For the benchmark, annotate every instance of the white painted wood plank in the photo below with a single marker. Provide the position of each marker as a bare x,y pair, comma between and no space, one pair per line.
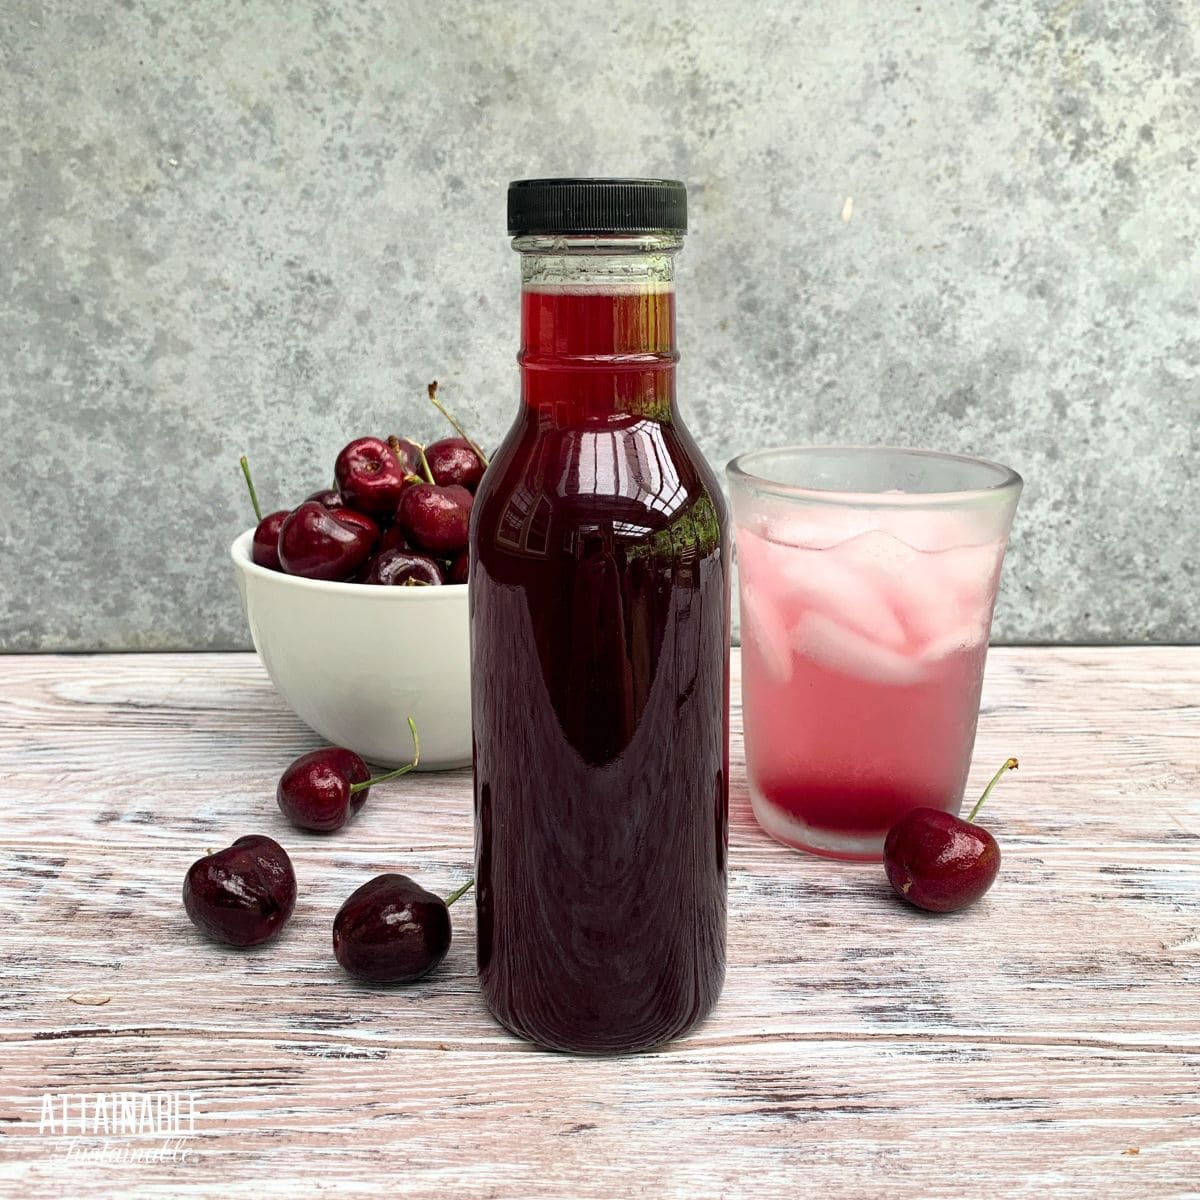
776,1118
859,1046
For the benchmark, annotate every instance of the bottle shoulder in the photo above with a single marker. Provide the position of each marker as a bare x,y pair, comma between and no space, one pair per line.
636,477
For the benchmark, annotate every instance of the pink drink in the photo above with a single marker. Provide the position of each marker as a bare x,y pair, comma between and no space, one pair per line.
862,659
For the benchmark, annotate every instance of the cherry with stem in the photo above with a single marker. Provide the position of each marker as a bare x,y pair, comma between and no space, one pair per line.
264,547
940,862
462,433
392,930
322,790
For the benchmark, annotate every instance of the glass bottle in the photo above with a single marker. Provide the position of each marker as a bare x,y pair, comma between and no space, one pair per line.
600,645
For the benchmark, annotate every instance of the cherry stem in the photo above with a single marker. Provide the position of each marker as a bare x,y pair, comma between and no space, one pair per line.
425,463
458,893
250,489
1010,764
462,433
398,451
355,788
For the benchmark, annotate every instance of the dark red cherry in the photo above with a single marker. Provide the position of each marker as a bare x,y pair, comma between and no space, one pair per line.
459,569
349,516
940,862
242,895
264,549
452,460
392,930
320,544
322,790
392,538
316,791
435,518
370,477
402,568
329,498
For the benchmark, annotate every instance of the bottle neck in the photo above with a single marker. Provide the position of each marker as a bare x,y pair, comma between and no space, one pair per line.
598,326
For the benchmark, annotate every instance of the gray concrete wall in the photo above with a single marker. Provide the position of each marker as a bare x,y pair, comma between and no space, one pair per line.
242,225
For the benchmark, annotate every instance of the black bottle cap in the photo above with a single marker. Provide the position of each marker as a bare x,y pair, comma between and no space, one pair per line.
596,206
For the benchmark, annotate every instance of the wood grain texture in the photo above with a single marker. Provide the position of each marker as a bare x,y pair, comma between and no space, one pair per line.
1025,1046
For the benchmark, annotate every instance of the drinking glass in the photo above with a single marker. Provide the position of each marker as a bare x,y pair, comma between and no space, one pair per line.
867,580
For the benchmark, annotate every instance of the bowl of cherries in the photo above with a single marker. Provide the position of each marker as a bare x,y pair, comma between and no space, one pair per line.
357,599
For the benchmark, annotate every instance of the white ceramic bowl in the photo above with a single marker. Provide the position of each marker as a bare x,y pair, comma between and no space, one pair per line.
355,662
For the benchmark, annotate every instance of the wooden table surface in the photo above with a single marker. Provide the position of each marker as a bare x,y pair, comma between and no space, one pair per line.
1044,1043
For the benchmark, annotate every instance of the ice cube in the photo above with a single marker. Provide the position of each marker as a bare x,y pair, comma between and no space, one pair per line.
816,527
824,640
969,572
935,595
830,582
765,633
898,576
965,580
965,636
